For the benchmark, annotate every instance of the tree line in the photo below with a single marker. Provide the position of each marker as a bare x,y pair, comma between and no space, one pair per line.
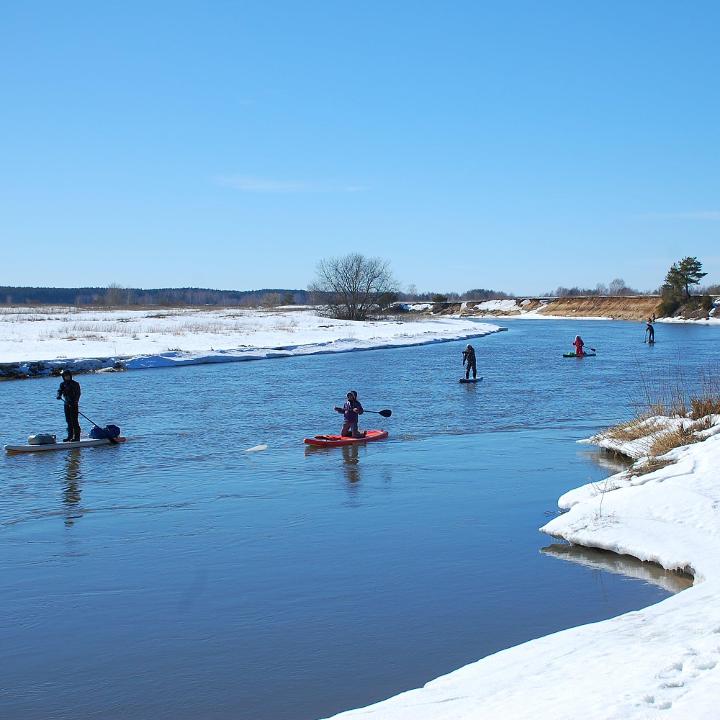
354,286
115,296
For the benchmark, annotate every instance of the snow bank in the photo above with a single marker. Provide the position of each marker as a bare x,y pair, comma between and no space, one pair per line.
663,658
415,307
653,428
497,306
35,343
714,320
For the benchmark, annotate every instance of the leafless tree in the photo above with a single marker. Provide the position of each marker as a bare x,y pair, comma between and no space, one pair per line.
352,285
116,295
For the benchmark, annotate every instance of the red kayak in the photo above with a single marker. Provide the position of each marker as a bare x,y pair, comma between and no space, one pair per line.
339,440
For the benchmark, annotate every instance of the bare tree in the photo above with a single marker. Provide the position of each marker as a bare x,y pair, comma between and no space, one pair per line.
116,295
352,285
271,299
619,287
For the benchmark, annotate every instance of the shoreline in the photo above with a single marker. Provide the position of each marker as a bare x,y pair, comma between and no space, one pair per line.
663,657
133,340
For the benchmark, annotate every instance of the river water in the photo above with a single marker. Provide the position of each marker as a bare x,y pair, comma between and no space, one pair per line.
177,576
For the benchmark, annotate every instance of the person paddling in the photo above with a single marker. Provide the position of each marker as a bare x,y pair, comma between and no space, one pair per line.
649,331
351,410
579,345
69,391
470,362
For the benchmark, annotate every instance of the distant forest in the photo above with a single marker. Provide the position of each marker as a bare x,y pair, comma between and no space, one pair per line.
114,296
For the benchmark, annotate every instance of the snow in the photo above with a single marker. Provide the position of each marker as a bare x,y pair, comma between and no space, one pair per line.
708,321
534,315
662,658
415,307
40,341
497,306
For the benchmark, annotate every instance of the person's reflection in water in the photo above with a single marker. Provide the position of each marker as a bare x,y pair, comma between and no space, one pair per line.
71,494
351,463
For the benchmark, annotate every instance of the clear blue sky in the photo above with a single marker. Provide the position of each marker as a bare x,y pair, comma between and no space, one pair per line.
512,145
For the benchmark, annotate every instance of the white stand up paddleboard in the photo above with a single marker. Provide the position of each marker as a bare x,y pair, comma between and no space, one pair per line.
87,442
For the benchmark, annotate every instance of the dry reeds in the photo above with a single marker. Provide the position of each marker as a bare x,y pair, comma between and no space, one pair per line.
674,415
635,429
671,439
703,406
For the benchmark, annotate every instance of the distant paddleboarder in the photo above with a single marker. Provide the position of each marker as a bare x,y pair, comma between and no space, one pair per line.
650,332
470,362
579,345
351,411
69,391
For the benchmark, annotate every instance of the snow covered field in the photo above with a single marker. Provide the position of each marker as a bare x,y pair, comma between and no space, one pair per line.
663,661
38,341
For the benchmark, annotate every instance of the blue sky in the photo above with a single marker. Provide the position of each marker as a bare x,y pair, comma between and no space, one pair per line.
512,145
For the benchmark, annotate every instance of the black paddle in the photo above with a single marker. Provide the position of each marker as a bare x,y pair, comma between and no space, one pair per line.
384,413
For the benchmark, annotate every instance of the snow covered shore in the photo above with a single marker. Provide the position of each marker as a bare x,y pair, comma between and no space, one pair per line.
37,342
663,661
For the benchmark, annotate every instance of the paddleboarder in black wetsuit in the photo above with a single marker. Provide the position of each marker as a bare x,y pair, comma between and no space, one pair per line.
69,391
470,362
650,332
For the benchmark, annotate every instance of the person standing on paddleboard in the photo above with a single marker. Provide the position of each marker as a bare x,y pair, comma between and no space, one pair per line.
470,362
351,410
649,331
579,345
69,391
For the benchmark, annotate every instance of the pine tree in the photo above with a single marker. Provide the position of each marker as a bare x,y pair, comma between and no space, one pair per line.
683,274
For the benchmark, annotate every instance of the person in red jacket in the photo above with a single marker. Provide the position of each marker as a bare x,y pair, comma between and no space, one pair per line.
579,344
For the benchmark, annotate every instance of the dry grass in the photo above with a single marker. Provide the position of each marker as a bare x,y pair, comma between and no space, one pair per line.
689,406
701,407
672,439
635,429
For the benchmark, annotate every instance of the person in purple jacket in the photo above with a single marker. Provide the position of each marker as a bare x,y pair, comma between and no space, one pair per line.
351,410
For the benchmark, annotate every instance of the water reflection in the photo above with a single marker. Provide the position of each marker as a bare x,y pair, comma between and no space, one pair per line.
351,463
626,565
72,477
607,459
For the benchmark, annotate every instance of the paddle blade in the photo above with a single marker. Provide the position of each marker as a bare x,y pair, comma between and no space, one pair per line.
385,413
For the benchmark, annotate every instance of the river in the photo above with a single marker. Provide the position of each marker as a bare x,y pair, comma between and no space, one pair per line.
177,576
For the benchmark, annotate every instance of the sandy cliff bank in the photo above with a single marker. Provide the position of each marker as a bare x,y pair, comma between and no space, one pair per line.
638,307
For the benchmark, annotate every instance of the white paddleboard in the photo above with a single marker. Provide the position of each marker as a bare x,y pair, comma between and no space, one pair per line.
87,442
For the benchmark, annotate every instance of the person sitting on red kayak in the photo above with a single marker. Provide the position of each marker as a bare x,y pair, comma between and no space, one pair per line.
351,410
579,344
